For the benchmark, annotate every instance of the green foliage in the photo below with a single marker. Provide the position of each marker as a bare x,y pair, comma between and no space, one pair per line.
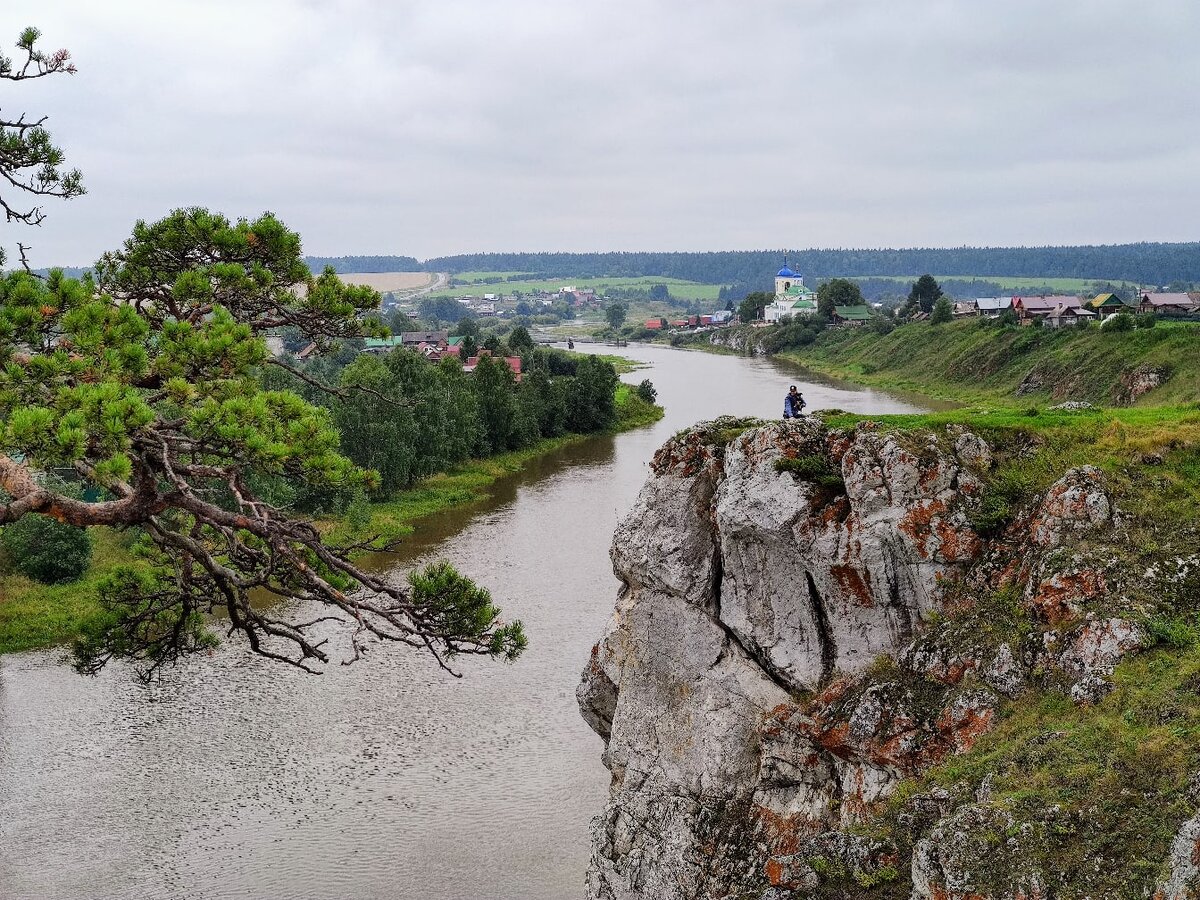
468,326
752,307
972,360
45,550
30,163
647,391
440,309
520,341
812,467
154,382
943,312
838,292
921,298
1120,322
614,313
454,604
1147,320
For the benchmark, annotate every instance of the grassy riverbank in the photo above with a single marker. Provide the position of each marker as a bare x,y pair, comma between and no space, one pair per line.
34,615
971,360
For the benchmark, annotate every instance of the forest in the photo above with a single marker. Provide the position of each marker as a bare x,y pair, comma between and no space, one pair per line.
1143,263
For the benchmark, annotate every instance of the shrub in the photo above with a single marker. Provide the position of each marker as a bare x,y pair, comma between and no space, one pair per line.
646,391
1149,320
46,550
1119,322
814,468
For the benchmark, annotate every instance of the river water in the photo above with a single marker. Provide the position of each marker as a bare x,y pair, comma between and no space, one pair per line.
235,777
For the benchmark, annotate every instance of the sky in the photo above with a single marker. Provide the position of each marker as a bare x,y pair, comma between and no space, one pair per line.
455,126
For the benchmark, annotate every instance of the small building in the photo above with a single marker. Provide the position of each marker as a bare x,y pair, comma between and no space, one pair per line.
656,324
1172,304
381,346
415,338
722,317
513,362
992,307
964,308
1030,308
1064,316
854,316
1105,305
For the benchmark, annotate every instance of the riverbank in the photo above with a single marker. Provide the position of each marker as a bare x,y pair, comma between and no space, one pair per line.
35,615
973,361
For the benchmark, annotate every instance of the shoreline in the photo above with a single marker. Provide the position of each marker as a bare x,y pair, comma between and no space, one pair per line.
35,616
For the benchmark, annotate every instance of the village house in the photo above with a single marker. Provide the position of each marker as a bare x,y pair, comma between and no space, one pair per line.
1030,308
514,363
853,316
1107,305
1062,316
1171,304
992,307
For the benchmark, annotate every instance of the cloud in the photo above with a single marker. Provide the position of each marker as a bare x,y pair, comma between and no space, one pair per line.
431,128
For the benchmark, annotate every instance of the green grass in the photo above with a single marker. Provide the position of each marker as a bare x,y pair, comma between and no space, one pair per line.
688,290
972,361
623,364
34,615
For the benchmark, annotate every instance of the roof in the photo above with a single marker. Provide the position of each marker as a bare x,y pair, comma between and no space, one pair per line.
428,337
456,340
1105,300
1168,300
785,272
378,343
993,304
1062,310
1047,304
804,304
852,313
800,290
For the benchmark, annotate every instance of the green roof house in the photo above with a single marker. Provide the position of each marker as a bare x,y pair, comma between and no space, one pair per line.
851,315
1107,305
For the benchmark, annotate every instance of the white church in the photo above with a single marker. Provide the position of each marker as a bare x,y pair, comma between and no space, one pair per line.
792,298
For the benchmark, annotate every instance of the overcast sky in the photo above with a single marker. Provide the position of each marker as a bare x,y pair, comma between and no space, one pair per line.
451,126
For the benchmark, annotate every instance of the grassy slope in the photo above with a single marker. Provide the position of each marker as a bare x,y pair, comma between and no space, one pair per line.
34,615
970,361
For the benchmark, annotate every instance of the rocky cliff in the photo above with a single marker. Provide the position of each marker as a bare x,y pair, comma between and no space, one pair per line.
813,624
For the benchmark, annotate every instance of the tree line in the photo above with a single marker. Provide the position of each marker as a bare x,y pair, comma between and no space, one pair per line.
1149,263
406,418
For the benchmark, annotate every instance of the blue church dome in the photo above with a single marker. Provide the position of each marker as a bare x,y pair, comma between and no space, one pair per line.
785,272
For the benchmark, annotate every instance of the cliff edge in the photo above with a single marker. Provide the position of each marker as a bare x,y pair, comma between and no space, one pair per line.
830,664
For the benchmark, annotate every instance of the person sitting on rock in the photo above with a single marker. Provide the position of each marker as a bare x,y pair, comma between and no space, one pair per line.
793,404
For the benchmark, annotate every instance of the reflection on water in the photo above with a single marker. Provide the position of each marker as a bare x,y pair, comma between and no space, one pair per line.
235,777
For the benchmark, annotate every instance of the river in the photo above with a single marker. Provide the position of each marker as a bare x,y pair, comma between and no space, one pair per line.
235,777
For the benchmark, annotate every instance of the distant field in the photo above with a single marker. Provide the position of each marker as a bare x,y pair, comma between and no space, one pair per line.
689,290
390,281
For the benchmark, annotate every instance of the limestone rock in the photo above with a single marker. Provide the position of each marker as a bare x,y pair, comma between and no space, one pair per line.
768,676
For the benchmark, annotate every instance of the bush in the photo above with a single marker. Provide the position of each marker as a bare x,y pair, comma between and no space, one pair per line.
1119,322
46,550
1149,320
813,468
646,391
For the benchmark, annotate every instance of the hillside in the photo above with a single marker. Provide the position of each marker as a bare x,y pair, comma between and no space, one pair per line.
975,360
